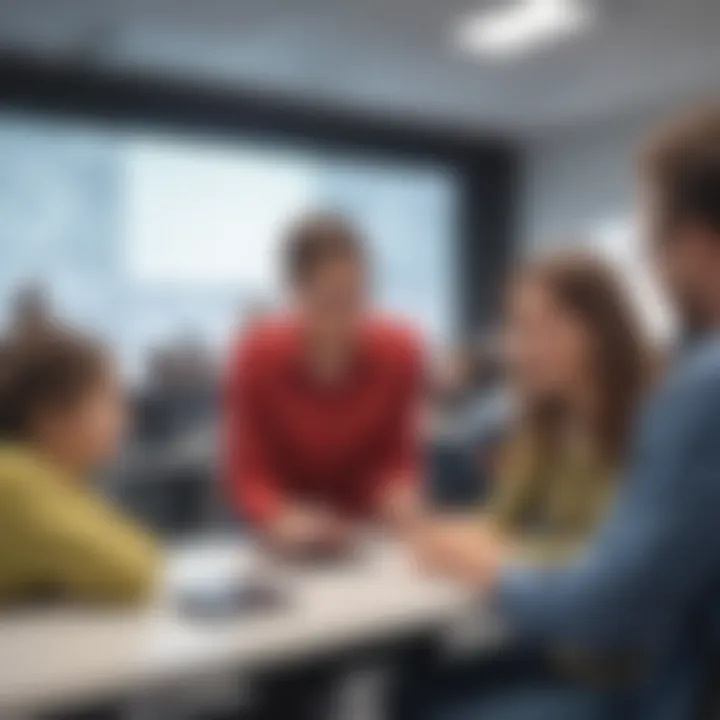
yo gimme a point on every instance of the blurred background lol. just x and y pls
(152, 152)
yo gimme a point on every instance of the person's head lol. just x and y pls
(575, 347)
(326, 269)
(680, 183)
(59, 392)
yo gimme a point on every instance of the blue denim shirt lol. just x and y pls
(647, 585)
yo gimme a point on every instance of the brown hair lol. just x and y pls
(49, 371)
(590, 291)
(682, 164)
(317, 239)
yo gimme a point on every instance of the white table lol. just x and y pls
(52, 658)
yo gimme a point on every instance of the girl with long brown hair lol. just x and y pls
(577, 365)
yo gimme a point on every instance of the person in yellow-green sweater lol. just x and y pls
(577, 365)
(61, 418)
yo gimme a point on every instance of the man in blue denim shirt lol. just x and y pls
(648, 588)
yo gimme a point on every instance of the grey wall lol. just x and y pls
(579, 187)
(578, 178)
(582, 176)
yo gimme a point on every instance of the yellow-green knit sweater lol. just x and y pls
(57, 538)
(550, 504)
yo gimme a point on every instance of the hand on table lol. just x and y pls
(402, 509)
(303, 531)
(464, 551)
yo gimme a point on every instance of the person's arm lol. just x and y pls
(256, 492)
(654, 552)
(398, 494)
(78, 546)
(256, 489)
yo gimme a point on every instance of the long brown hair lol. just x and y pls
(590, 290)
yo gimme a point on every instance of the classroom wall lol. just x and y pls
(579, 178)
(578, 188)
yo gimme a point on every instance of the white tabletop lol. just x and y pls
(53, 657)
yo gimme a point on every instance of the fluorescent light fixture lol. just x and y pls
(522, 26)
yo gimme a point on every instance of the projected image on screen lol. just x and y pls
(150, 237)
(203, 215)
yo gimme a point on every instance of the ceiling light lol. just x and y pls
(522, 26)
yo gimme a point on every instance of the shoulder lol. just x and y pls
(16, 462)
(395, 343)
(688, 404)
(264, 346)
(696, 377)
(702, 365)
(23, 474)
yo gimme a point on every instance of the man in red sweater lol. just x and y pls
(321, 424)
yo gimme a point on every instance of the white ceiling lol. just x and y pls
(389, 56)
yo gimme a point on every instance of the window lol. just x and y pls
(147, 237)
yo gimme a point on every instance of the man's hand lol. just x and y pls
(464, 551)
(402, 509)
(303, 531)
